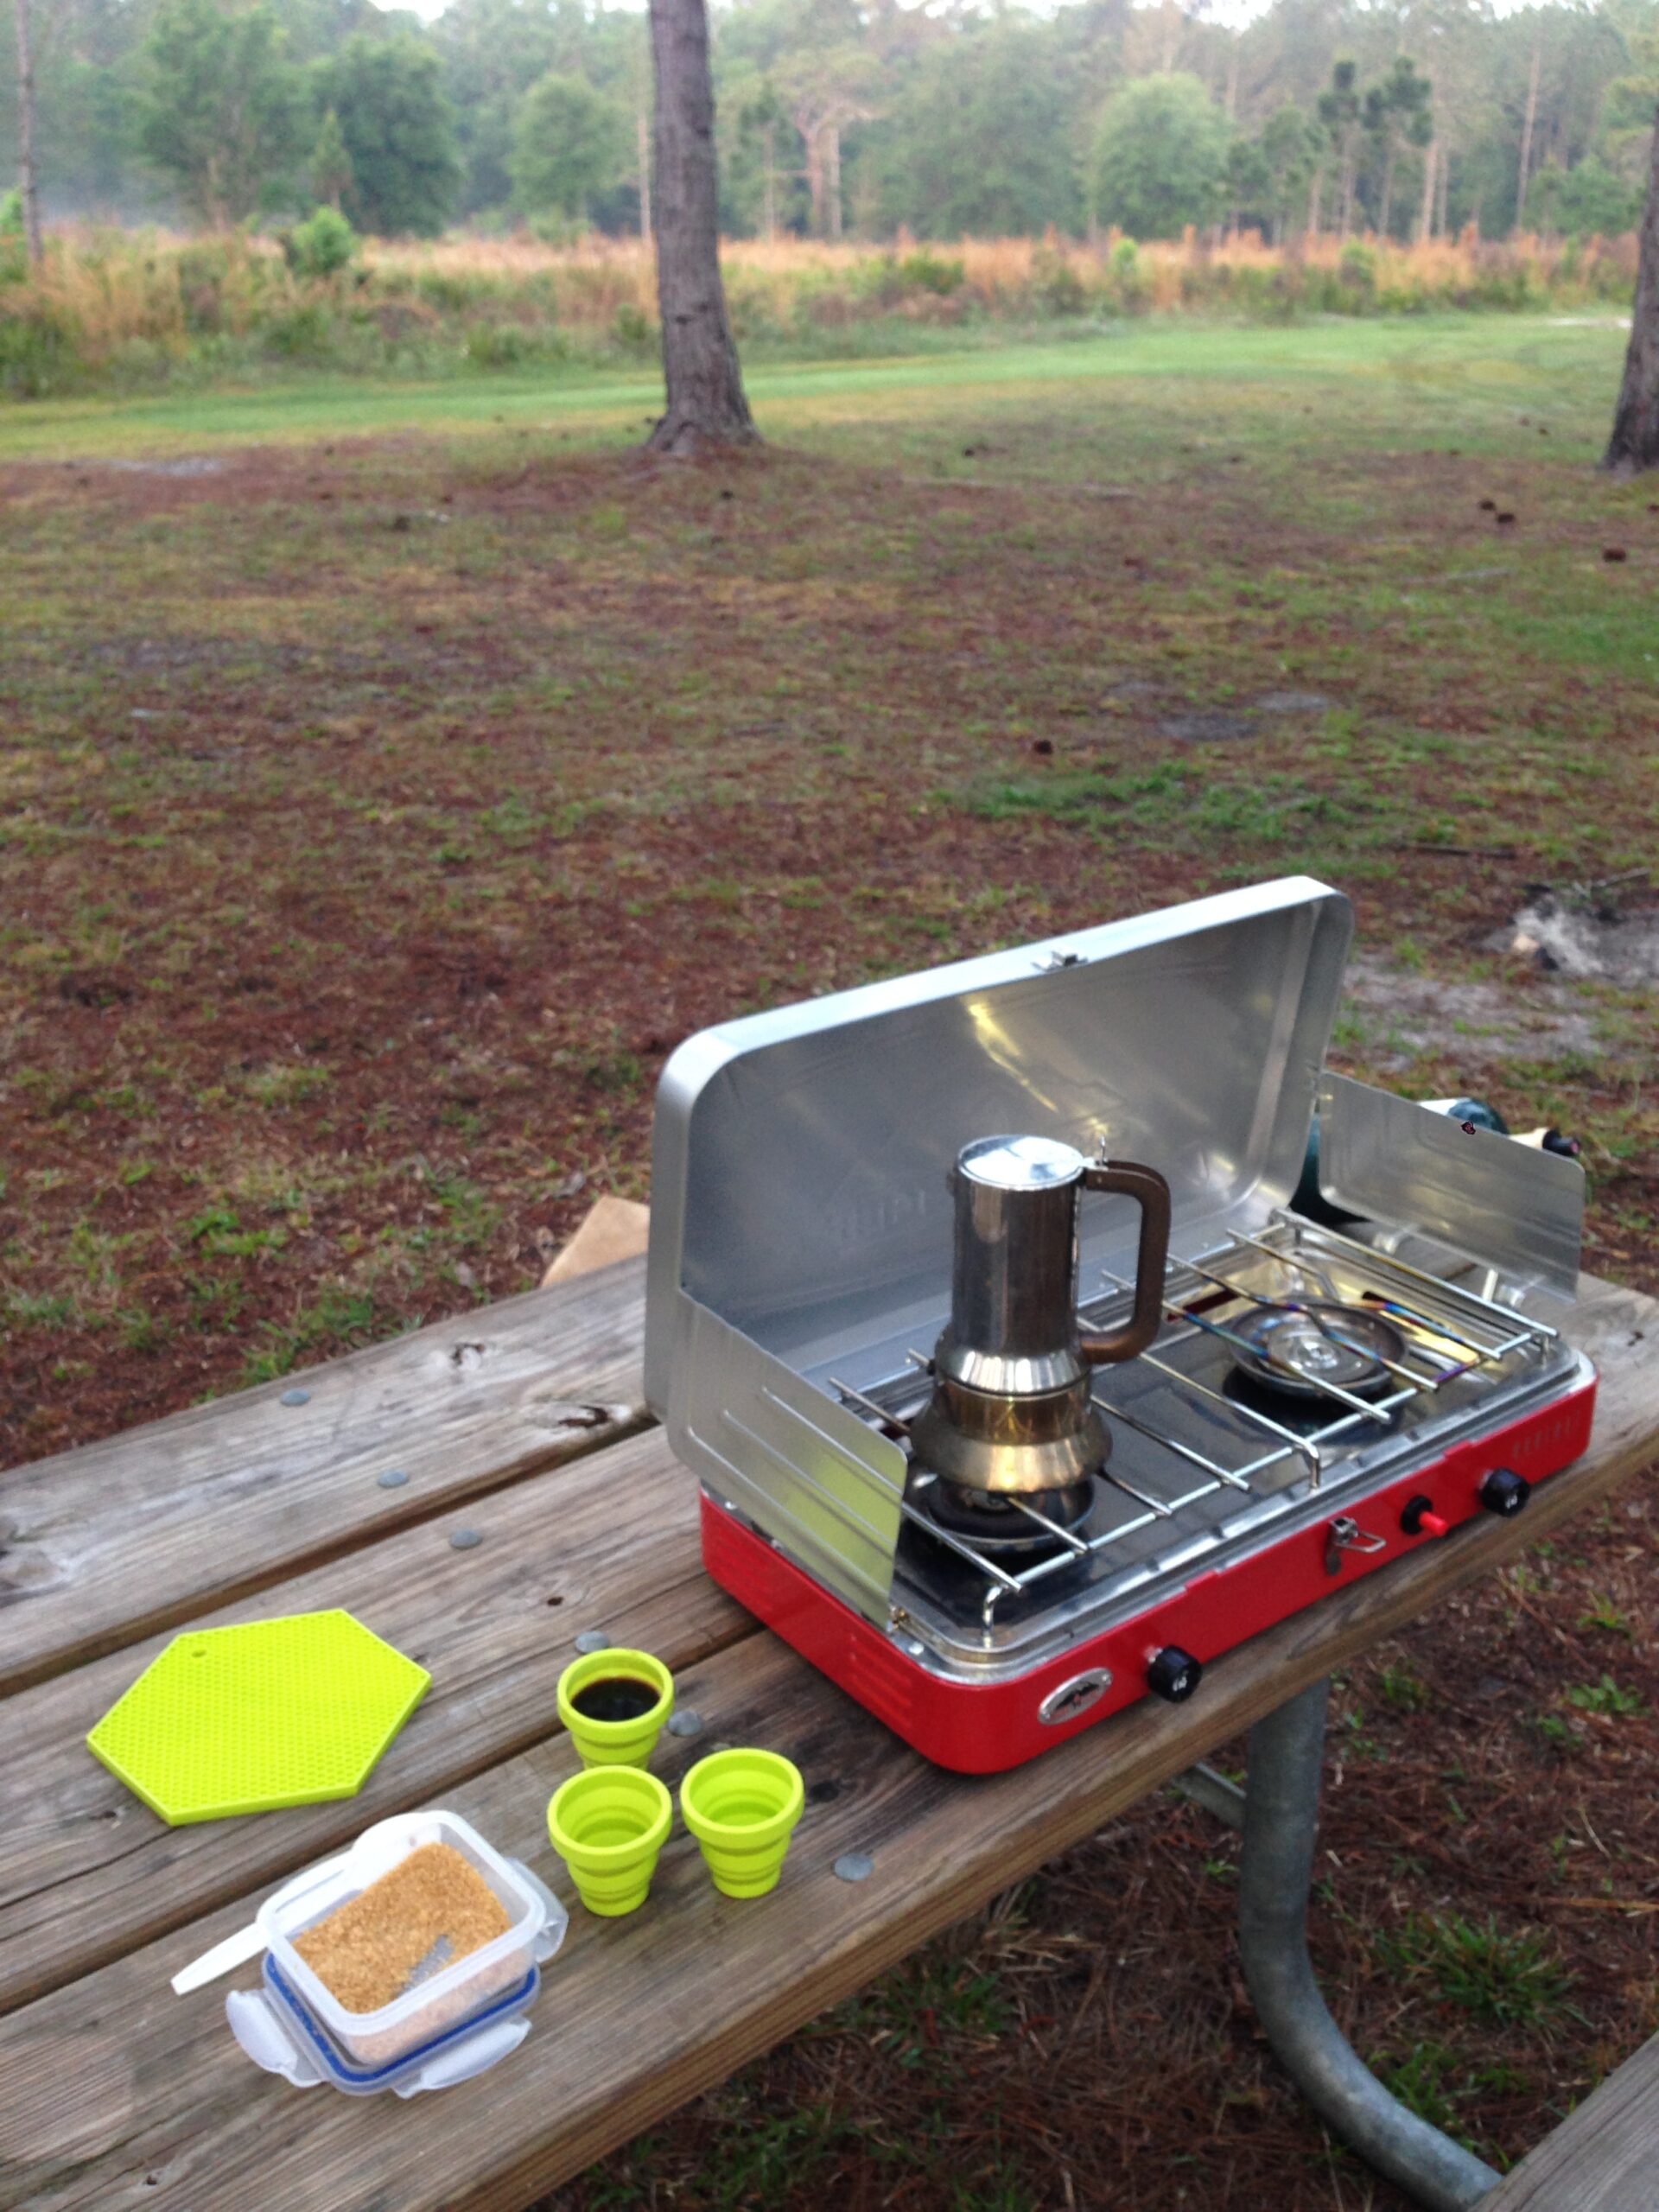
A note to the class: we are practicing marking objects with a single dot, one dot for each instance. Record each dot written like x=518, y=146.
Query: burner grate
x=1452, y=1339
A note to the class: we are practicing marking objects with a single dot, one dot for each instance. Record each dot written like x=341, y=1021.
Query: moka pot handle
x=1150, y=1193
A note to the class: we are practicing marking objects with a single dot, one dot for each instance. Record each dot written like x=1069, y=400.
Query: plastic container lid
x=443, y=1998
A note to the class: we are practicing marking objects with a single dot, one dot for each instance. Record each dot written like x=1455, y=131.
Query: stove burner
x=1303, y=1413
x=995, y=1525
x=1296, y=1348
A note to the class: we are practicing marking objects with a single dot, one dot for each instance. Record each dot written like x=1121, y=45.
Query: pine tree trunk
x=1635, y=442
x=705, y=405
x=772, y=186
x=1526, y=133
x=27, y=191
x=1442, y=190
x=1349, y=167
x=832, y=176
x=811, y=132
x=1315, y=192
x=1387, y=210
x=645, y=179
x=1426, y=214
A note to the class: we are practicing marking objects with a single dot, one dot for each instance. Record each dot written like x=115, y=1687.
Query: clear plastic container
x=278, y=2033
x=444, y=1997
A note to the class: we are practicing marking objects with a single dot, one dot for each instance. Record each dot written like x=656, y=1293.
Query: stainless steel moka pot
x=1012, y=1413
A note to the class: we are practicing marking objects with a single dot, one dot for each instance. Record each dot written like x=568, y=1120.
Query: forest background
x=838, y=119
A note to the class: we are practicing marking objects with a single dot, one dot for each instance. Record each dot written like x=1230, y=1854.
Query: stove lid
x=800, y=1156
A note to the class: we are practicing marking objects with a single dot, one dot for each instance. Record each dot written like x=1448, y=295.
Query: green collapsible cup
x=615, y=1704
x=742, y=1806
x=608, y=1824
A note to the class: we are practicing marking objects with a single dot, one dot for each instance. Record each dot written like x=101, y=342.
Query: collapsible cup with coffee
x=742, y=1806
x=608, y=1824
x=615, y=1704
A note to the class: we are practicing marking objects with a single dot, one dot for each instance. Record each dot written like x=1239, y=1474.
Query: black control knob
x=1174, y=1673
x=1504, y=1492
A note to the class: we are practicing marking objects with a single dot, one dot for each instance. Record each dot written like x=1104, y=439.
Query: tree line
x=835, y=117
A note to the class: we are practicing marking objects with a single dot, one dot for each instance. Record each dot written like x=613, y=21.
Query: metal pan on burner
x=1295, y=1348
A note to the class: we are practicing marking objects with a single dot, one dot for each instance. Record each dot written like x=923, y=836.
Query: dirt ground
x=373, y=822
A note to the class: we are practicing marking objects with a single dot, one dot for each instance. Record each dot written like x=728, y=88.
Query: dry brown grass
x=131, y=306
x=1002, y=273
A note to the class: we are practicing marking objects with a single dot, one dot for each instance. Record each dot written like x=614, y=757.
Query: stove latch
x=1345, y=1535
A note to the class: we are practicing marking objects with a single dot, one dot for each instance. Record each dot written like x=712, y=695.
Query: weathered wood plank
x=1602, y=2158
x=639, y=2015
x=105, y=1545
x=88, y=1872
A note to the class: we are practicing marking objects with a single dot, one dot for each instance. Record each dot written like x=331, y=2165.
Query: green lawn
x=1451, y=377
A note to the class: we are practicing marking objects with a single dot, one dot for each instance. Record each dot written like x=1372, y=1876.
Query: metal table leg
x=1281, y=1809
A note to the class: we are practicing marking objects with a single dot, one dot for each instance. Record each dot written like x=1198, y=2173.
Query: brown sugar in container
x=419, y=1927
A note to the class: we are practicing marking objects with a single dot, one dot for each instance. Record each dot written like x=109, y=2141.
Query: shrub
x=829, y=309
x=631, y=327
x=39, y=349
x=750, y=309
x=322, y=246
x=449, y=294
x=1265, y=294
x=14, y=259
x=549, y=228
x=1357, y=278
x=303, y=334
x=1126, y=284
x=509, y=346
x=1056, y=284
x=930, y=272
x=401, y=322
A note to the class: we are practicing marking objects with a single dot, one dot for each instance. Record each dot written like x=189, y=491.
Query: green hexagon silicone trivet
x=243, y=1719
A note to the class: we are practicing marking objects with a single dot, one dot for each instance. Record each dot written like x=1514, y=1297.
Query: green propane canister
x=1473, y=1113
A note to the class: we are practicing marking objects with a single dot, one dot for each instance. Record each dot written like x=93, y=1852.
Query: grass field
x=1439, y=381
x=392, y=775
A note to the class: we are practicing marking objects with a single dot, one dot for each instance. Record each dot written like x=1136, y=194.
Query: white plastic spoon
x=234, y=1951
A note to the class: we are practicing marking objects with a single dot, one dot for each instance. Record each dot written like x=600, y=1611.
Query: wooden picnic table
x=523, y=1422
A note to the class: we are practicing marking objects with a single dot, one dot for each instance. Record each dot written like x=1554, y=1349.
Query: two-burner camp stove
x=997, y=1439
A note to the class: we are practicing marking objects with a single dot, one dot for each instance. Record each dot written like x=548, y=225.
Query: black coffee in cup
x=615, y=1697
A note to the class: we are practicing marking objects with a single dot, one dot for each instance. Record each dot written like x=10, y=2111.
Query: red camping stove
x=1155, y=1409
